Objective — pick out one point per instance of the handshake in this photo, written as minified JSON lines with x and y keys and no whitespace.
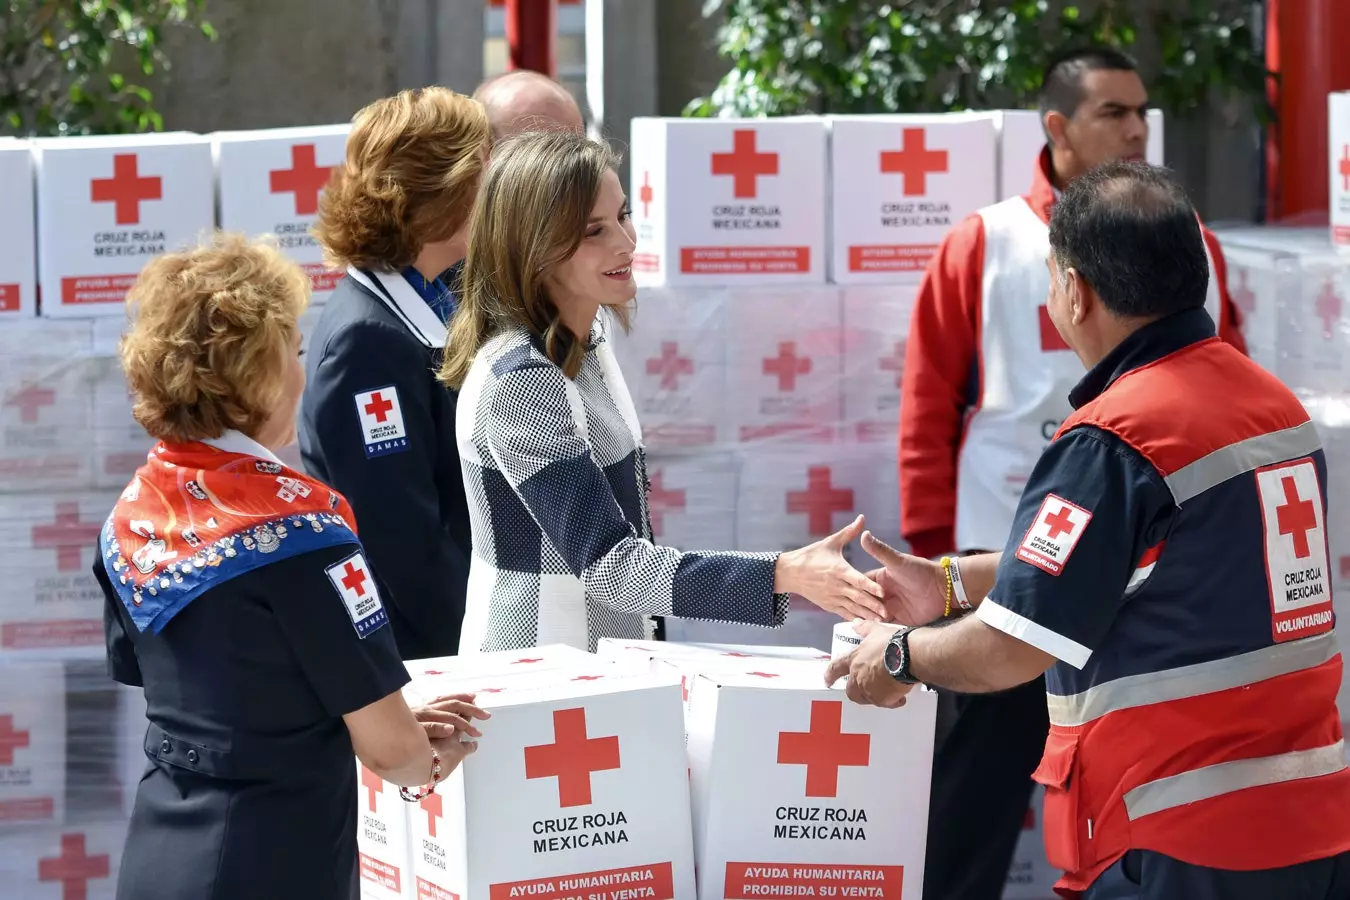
{"x":904,"y":589}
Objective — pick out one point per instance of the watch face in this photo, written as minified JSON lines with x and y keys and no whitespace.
{"x":892,"y":658}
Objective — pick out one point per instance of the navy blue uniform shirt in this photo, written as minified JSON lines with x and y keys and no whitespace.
{"x":377,"y":426}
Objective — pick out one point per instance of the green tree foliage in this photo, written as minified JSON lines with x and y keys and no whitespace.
{"x":864,"y":56}
{"x":82,"y":66}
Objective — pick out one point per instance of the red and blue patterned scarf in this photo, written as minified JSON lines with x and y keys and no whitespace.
{"x":195,"y":516}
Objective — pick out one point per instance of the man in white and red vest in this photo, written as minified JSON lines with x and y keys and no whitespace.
{"x":1167,"y":572}
{"x":986,"y":384}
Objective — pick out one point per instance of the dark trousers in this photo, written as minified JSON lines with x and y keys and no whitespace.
{"x":987,"y":746}
{"x":1145,"y":875}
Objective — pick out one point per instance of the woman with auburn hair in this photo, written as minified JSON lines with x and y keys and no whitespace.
{"x":238,"y":595}
{"x":375,"y":423}
{"x":549,"y":439}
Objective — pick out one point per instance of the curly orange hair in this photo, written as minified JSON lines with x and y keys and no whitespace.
{"x":211,"y":330}
{"x":409,"y":179}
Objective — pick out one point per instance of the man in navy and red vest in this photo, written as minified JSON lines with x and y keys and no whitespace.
{"x":1168,"y":572}
{"x":986,"y":384}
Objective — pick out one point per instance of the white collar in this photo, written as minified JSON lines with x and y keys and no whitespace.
{"x":238,"y":442}
{"x":405,"y":303}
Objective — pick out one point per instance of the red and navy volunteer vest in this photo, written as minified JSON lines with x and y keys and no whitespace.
{"x":1205,"y":726}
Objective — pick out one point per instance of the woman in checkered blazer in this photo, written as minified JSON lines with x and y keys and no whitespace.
{"x":549,"y":441}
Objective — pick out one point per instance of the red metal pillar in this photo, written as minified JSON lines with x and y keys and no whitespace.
{"x":1306,"y":43}
{"x":532,"y":35}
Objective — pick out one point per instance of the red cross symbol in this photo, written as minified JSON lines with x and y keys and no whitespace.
{"x":1345,"y":167}
{"x":645,"y":194}
{"x":354,"y":579}
{"x":67,"y":535}
{"x":572,"y":758}
{"x":378,"y":407}
{"x":73,"y":868}
{"x":661,"y":500}
{"x":1328,"y":309}
{"x":29,"y":400}
{"x":820,"y":501}
{"x":433,"y":805}
{"x":1296,"y":517}
{"x":684,"y":687}
{"x":787,"y":365}
{"x":1051,"y":339}
{"x":305,"y":179}
{"x":373,"y":784}
{"x":744,"y":164}
{"x":1059,"y":523}
{"x":670,"y":365}
{"x":10,"y":740}
{"x":914,"y":162}
{"x":527,"y":660}
{"x":894,"y":362}
{"x":763,"y":674}
{"x":588,"y":678}
{"x":737,"y":654}
{"x":824,"y":748}
{"x":1242,"y":294}
{"x":126,"y":189}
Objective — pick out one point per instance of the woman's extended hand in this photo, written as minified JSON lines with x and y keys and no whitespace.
{"x":821,"y":574}
{"x":450,"y":716}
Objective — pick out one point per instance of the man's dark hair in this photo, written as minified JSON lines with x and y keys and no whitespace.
{"x":1130,"y":231}
{"x":1062,"y":85}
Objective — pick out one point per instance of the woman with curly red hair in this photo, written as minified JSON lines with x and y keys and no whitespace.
{"x":375,"y":423}
{"x":238,"y":595}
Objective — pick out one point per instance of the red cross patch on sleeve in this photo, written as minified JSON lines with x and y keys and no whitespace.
{"x":1053,"y":534}
{"x":357,"y":588}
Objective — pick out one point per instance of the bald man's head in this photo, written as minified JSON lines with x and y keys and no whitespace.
{"x":522,"y":101}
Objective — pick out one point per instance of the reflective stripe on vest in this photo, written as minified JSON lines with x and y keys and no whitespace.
{"x":1024,"y":389}
{"x":1191,"y":681}
{"x":1236,"y":775}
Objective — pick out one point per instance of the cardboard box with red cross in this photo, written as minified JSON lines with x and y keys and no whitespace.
{"x":876,"y":327}
{"x":32,"y":744}
{"x":269,"y":183}
{"x":52,"y":607}
{"x":723,"y":201}
{"x":785,"y":362}
{"x":795,"y":788}
{"x":790,"y":498}
{"x":1338,"y":131}
{"x":692,"y":500}
{"x":107,"y":206}
{"x":579,"y":787}
{"x":898,"y":185}
{"x":47,"y":377}
{"x":674,"y":361}
{"x":18,"y":264}
{"x":394,"y":862}
{"x":73,"y":862}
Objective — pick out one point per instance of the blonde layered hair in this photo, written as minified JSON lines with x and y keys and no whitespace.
{"x":412,"y":166}
{"x":212,"y":329}
{"x":531,"y":215}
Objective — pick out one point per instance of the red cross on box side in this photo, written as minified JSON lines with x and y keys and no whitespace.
{"x":572,"y":758}
{"x":824,"y":748}
{"x":127,"y":189}
{"x":305,"y":179}
{"x":745,"y":164}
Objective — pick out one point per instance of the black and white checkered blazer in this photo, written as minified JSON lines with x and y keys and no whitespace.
{"x":557,"y":486}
